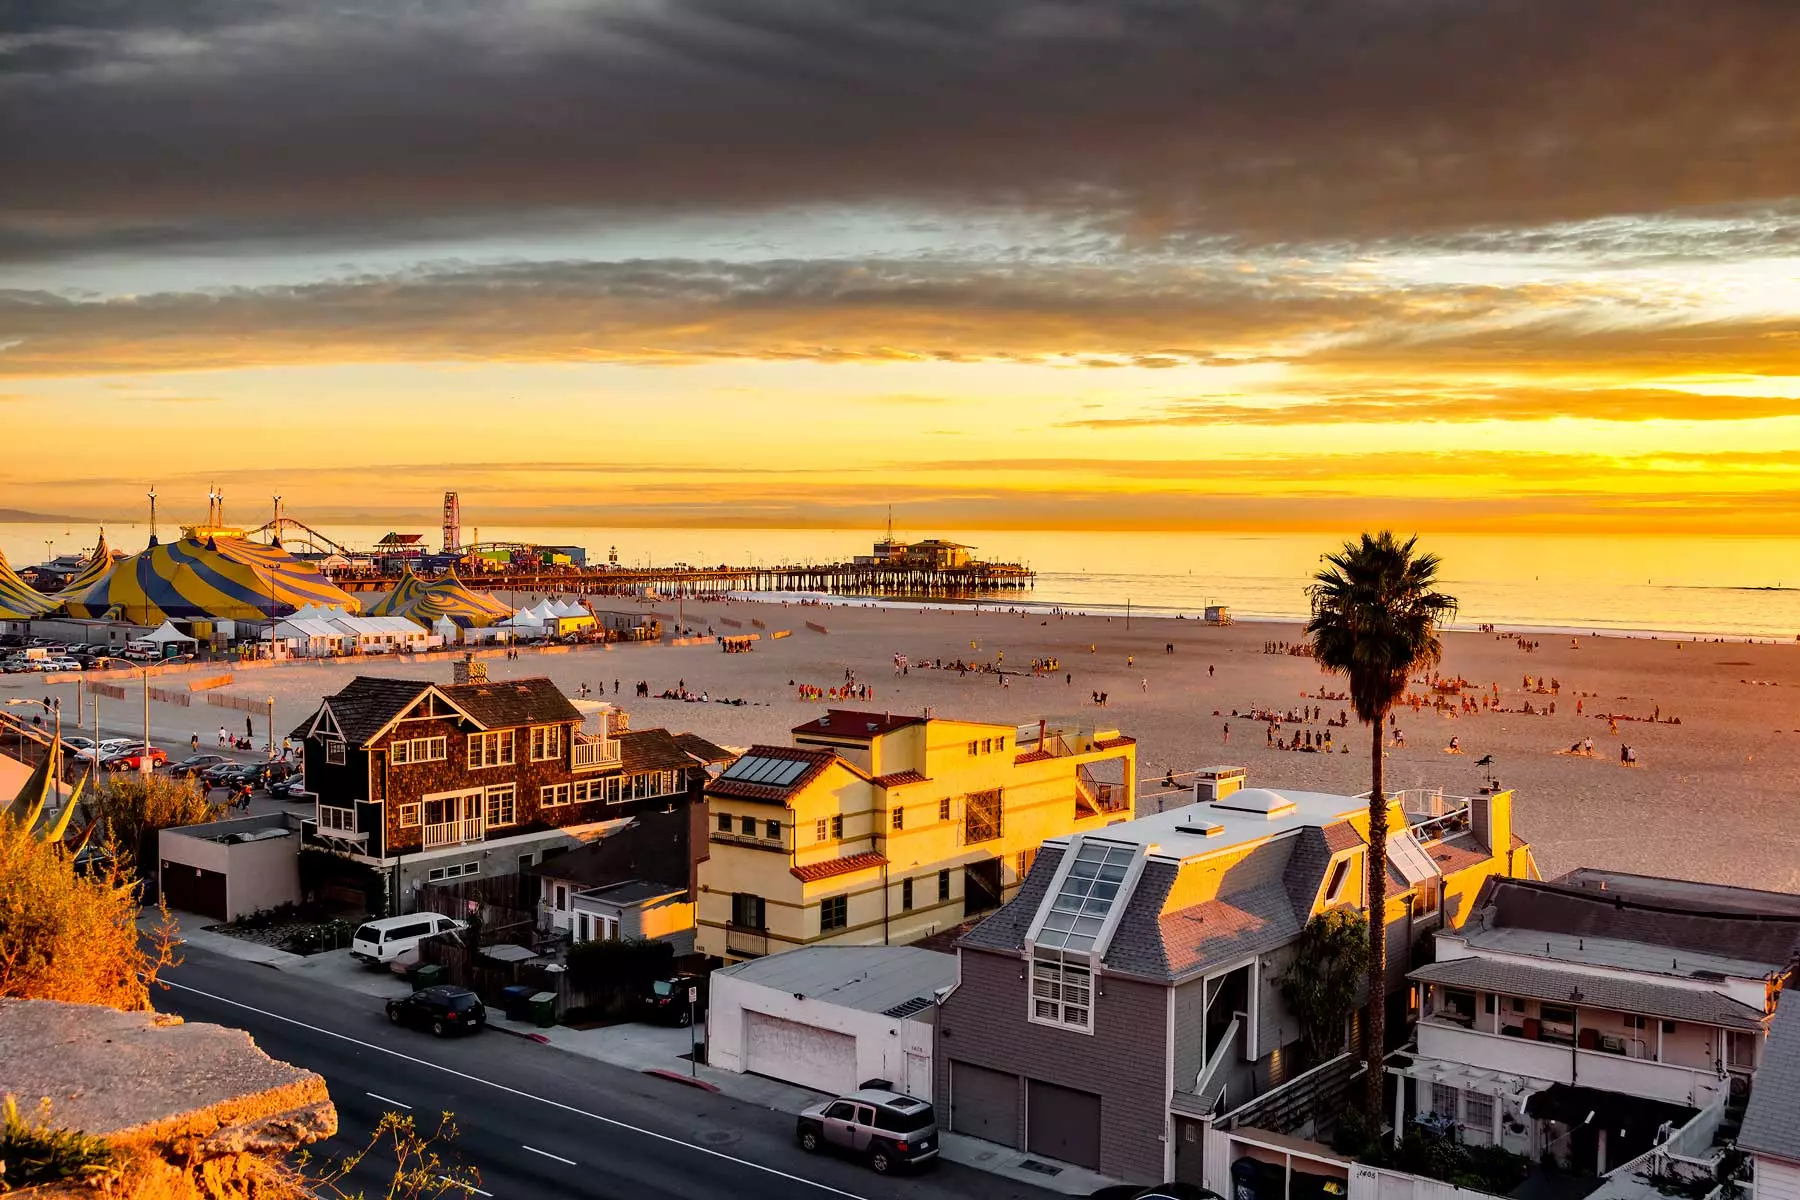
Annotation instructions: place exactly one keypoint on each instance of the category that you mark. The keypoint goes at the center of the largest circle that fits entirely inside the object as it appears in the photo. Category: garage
(802, 1054)
(984, 1103)
(831, 1017)
(1062, 1123)
(193, 889)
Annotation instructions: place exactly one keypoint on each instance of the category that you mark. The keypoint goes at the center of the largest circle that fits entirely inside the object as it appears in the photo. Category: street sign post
(693, 1040)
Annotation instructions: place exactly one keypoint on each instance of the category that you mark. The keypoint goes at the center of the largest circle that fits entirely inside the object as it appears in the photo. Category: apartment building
(1579, 1018)
(1132, 988)
(431, 782)
(879, 828)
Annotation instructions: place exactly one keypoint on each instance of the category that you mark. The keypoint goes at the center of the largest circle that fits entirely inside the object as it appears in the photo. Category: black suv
(665, 1001)
(442, 1009)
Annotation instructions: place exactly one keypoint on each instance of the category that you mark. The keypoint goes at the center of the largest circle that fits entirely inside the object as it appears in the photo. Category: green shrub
(33, 1152)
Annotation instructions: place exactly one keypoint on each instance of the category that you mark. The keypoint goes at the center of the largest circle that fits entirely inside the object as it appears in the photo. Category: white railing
(1203, 1081)
(586, 753)
(454, 833)
(1555, 1063)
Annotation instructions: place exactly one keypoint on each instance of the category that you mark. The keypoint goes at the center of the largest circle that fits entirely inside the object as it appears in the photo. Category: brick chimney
(467, 670)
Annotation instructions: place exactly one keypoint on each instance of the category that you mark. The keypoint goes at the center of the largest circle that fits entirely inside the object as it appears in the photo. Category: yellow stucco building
(874, 828)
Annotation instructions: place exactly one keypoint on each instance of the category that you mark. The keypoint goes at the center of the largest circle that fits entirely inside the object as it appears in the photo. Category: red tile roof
(1454, 856)
(813, 872)
(738, 789)
(1341, 836)
(897, 778)
(1031, 756)
(1113, 743)
(851, 724)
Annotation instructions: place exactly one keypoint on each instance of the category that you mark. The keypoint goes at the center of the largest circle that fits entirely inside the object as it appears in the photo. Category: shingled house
(1133, 985)
(430, 782)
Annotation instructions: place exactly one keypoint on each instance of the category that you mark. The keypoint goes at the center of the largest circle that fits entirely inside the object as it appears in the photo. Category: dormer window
(546, 742)
(1334, 886)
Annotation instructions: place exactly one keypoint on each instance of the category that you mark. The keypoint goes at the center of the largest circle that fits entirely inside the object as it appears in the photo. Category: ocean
(1682, 586)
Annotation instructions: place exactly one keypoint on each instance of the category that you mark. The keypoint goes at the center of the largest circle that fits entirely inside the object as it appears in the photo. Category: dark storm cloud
(657, 312)
(1273, 120)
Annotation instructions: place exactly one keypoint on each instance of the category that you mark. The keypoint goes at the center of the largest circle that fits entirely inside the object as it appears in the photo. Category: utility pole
(271, 727)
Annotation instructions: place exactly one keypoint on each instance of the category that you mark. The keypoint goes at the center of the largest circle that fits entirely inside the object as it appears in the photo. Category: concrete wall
(886, 1047)
(258, 875)
(984, 1022)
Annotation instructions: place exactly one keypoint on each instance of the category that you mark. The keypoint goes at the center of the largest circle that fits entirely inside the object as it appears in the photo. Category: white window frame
(410, 817)
(418, 750)
(335, 754)
(554, 795)
(492, 749)
(1057, 999)
(501, 800)
(546, 742)
(336, 818)
(453, 871)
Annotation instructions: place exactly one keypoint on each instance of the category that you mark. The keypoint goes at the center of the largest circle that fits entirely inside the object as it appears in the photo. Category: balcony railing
(745, 941)
(454, 833)
(1671, 1082)
(588, 753)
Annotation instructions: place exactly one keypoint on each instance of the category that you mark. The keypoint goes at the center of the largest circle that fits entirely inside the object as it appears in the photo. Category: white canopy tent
(165, 634)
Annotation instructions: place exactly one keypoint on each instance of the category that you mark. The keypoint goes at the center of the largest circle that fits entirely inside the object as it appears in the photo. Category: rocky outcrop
(191, 1110)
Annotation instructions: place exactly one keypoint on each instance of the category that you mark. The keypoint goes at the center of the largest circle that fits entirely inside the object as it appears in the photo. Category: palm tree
(1375, 619)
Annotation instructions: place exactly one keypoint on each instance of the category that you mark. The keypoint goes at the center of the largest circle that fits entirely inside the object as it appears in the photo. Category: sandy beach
(1710, 798)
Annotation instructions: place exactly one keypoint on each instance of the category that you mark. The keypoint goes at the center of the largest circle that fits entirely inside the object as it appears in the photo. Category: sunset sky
(999, 263)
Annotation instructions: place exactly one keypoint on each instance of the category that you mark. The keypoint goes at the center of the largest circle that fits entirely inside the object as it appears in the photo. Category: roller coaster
(291, 533)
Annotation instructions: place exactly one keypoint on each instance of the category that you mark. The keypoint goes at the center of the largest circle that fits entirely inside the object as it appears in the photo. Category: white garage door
(802, 1054)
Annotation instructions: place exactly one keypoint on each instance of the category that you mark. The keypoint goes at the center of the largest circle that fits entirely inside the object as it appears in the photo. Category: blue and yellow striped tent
(19, 601)
(396, 602)
(222, 578)
(451, 598)
(98, 564)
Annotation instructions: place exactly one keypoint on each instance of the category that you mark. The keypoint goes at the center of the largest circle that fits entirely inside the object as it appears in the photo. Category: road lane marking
(463, 1187)
(501, 1087)
(385, 1100)
(559, 1158)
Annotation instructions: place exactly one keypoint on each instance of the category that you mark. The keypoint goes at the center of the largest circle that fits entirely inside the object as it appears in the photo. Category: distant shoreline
(1159, 613)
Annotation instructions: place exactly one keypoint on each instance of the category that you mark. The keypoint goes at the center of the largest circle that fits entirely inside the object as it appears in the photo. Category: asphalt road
(534, 1121)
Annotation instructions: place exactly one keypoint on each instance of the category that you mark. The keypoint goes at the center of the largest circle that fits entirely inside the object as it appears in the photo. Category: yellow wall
(1038, 804)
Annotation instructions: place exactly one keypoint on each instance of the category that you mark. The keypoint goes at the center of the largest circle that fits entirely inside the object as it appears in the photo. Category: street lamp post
(55, 751)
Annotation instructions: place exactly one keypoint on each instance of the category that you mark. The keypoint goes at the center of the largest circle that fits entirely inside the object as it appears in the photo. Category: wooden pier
(898, 580)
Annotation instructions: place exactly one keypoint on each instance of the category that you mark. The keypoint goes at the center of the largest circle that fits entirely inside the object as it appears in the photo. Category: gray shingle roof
(1248, 922)
(1005, 929)
(1305, 870)
(501, 703)
(1772, 1121)
(660, 750)
(1768, 938)
(1600, 991)
(362, 706)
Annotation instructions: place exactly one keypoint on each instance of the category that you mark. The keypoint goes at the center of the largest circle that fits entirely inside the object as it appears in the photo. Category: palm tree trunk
(1375, 1019)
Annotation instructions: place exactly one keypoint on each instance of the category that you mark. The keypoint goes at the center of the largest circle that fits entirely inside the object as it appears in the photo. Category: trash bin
(543, 1009)
(424, 975)
(515, 1001)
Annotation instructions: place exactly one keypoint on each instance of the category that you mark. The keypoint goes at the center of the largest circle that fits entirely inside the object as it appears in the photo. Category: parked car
(257, 774)
(64, 663)
(886, 1128)
(194, 764)
(76, 745)
(107, 748)
(665, 1001)
(442, 1009)
(396, 939)
(291, 788)
(214, 776)
(1156, 1191)
(132, 758)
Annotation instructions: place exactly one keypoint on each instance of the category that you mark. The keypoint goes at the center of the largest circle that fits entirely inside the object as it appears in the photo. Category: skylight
(770, 772)
(1088, 893)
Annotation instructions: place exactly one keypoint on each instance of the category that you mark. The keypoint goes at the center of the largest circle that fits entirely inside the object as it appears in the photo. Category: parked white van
(396, 939)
